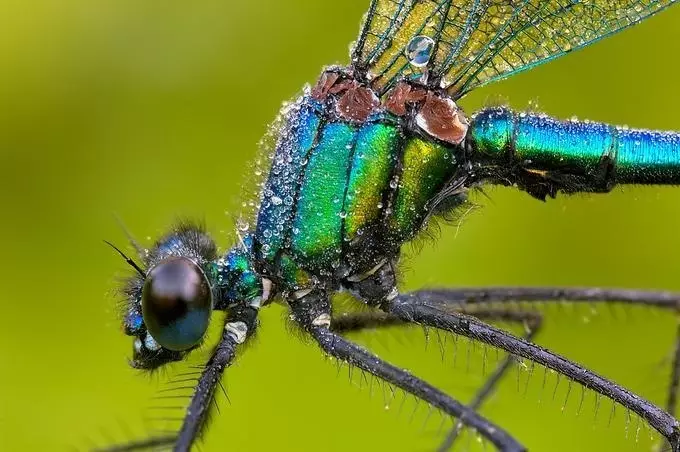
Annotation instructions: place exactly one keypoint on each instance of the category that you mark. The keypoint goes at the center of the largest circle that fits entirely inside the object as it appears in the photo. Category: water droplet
(419, 50)
(276, 200)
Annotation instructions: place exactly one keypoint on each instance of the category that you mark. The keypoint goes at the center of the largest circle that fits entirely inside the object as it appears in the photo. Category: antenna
(132, 240)
(130, 262)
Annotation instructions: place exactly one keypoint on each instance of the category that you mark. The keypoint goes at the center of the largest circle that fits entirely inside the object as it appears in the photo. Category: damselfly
(362, 162)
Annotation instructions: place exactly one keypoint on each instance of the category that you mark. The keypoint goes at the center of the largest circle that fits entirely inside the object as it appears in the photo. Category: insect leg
(312, 312)
(358, 321)
(153, 443)
(672, 403)
(417, 307)
(532, 323)
(240, 324)
(461, 299)
(354, 322)
(483, 295)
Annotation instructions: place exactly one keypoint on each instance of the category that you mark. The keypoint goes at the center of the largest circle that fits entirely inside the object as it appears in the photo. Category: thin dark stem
(342, 349)
(672, 404)
(221, 358)
(475, 295)
(416, 307)
(533, 323)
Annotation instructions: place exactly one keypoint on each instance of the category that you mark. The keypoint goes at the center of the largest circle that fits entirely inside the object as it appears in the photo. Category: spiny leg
(672, 403)
(483, 295)
(462, 298)
(355, 322)
(312, 312)
(532, 323)
(417, 307)
(154, 443)
(240, 324)
(358, 321)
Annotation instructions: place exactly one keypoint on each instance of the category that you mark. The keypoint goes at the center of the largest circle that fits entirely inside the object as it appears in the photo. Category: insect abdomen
(573, 155)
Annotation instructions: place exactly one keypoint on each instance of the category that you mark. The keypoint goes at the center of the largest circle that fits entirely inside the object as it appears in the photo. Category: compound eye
(176, 303)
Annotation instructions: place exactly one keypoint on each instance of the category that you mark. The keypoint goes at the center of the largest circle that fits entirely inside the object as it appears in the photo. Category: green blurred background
(151, 110)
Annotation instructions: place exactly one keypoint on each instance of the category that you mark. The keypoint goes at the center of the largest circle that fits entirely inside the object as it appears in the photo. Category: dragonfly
(361, 164)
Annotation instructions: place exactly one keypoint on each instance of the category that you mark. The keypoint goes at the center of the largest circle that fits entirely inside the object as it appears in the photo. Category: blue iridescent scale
(601, 154)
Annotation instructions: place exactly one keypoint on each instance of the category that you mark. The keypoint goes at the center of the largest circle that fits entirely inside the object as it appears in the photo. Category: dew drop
(419, 50)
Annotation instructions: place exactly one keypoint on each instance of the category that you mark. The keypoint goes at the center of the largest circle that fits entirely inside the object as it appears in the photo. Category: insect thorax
(352, 178)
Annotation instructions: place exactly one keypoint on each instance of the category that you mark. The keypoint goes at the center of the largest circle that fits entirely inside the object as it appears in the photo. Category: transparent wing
(389, 26)
(512, 36)
(480, 41)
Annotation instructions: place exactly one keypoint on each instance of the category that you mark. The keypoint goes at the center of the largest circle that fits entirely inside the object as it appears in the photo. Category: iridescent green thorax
(427, 166)
(317, 227)
(373, 163)
(277, 201)
(359, 189)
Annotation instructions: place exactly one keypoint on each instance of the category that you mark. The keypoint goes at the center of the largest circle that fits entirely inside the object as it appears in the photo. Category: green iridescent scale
(292, 274)
(317, 227)
(427, 166)
(350, 178)
(375, 155)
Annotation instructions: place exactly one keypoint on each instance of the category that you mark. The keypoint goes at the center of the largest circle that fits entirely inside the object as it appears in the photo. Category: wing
(476, 42)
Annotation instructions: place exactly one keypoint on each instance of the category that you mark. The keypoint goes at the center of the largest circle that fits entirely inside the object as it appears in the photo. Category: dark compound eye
(176, 303)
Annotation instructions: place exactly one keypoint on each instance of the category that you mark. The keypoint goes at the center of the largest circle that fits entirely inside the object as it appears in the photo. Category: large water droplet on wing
(419, 50)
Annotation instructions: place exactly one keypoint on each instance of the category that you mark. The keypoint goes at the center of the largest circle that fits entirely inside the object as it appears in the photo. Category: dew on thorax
(252, 194)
